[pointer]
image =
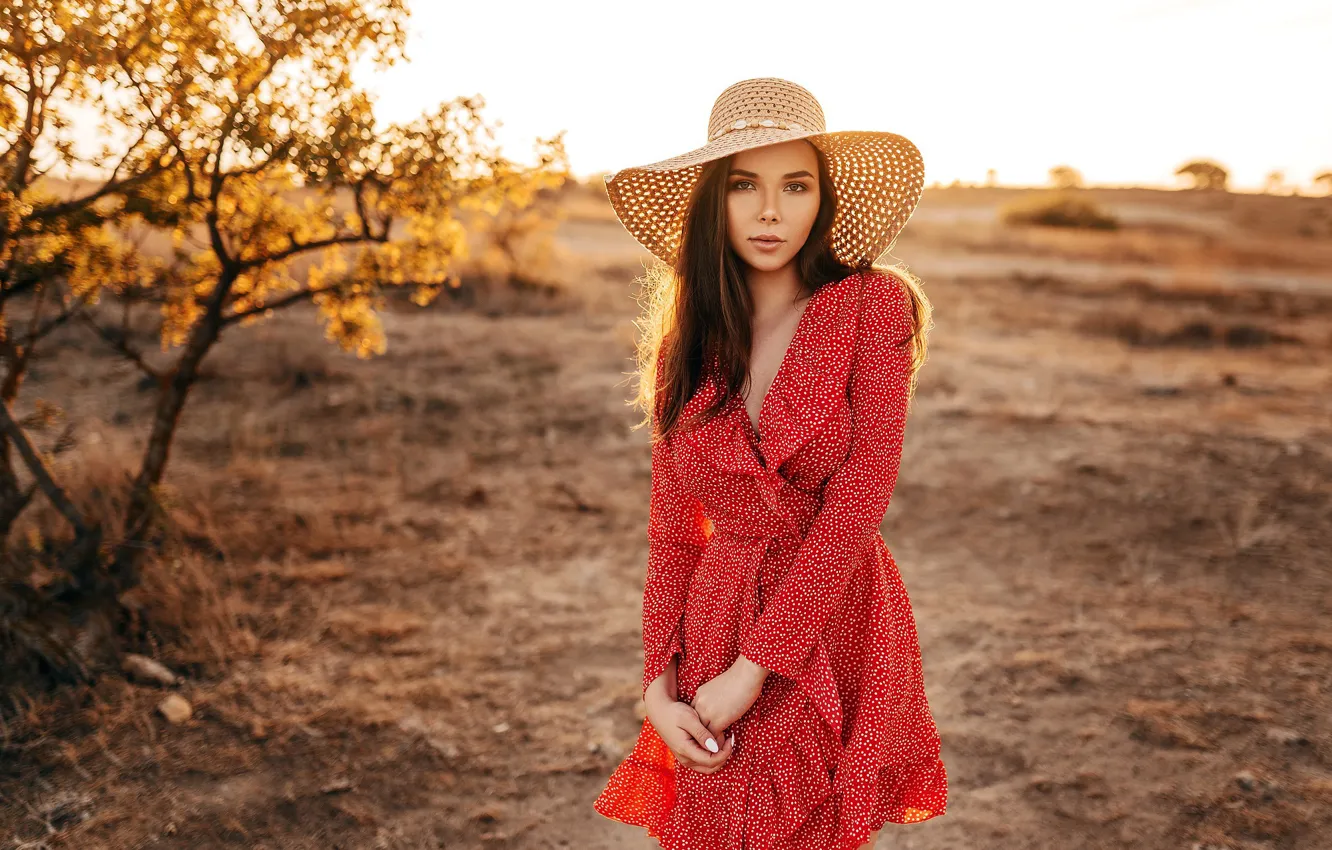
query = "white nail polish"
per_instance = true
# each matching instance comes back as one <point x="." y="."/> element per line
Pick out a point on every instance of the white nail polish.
<point x="712" y="746"/>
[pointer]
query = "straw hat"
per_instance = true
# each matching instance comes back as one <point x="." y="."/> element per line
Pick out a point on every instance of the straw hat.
<point x="878" y="176"/>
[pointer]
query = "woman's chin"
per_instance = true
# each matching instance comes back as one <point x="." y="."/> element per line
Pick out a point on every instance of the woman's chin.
<point x="767" y="262"/>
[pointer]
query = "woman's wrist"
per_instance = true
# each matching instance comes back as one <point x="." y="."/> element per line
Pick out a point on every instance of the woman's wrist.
<point x="665" y="685"/>
<point x="658" y="690"/>
<point x="752" y="669"/>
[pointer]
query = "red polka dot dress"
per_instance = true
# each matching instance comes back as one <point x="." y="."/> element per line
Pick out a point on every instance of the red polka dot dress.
<point x="770" y="547"/>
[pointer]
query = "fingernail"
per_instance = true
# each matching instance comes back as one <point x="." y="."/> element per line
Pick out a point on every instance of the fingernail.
<point x="712" y="746"/>
<point x="733" y="739"/>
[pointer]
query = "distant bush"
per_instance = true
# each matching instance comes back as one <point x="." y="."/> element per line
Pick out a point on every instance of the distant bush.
<point x="1205" y="174"/>
<point x="1065" y="177"/>
<point x="1058" y="210"/>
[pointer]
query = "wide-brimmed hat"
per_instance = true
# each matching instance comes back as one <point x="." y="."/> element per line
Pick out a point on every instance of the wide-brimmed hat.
<point x="878" y="176"/>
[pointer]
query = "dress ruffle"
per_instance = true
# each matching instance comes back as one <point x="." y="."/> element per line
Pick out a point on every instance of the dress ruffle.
<point x="804" y="790"/>
<point x="788" y="421"/>
<point x="641" y="791"/>
<point x="794" y="788"/>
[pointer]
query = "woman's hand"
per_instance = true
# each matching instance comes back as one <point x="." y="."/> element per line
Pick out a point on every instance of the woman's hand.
<point x="721" y="701"/>
<point x="678" y="725"/>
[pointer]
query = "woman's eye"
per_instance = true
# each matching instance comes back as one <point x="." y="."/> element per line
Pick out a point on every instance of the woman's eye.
<point x="739" y="184"/>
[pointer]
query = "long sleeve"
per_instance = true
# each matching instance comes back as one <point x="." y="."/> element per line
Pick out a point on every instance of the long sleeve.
<point x="856" y="495"/>
<point x="677" y="534"/>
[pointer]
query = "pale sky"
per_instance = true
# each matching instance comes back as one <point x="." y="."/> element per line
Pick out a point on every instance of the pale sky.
<point x="1124" y="91"/>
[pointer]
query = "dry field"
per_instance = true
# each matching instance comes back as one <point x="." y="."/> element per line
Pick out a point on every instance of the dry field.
<point x="1112" y="517"/>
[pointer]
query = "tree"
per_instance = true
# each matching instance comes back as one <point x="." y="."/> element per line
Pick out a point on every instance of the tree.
<point x="1324" y="180"/>
<point x="1065" y="177"/>
<point x="54" y="54"/>
<point x="255" y="150"/>
<point x="1205" y="174"/>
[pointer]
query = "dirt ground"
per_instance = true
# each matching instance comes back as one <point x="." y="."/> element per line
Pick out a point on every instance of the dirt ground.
<point x="1112" y="518"/>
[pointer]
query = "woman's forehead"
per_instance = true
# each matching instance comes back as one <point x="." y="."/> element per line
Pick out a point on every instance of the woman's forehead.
<point x="777" y="159"/>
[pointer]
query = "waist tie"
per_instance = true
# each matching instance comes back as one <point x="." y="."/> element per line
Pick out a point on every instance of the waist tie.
<point x="816" y="679"/>
<point x="753" y="546"/>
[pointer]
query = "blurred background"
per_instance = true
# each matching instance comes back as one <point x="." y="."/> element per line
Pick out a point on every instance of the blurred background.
<point x="322" y="506"/>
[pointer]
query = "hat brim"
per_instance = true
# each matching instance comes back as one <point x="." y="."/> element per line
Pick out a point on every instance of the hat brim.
<point x="877" y="176"/>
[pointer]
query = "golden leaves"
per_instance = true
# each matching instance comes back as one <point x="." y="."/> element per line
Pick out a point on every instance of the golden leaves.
<point x="264" y="165"/>
<point x="351" y="320"/>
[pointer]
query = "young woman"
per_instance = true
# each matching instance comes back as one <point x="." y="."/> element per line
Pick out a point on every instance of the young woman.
<point x="782" y="674"/>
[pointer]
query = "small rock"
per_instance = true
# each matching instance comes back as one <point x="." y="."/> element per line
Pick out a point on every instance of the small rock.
<point x="1289" y="737"/>
<point x="335" y="786"/>
<point x="176" y="709"/>
<point x="1091" y="783"/>
<point x="487" y="814"/>
<point x="1246" y="780"/>
<point x="145" y="669"/>
<point x="501" y="727"/>
<point x="1161" y="391"/>
<point x="66" y="807"/>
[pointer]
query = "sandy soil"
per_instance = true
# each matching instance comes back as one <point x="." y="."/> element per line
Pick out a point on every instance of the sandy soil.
<point x="1112" y="519"/>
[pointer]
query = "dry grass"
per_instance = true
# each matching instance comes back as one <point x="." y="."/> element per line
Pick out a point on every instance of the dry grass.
<point x="1180" y="230"/>
<point x="405" y="591"/>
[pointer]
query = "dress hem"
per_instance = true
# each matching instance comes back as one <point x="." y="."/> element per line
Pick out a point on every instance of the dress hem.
<point x="916" y="785"/>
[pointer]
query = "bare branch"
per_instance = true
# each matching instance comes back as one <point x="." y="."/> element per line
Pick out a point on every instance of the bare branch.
<point x="41" y="331"/>
<point x="359" y="194"/>
<point x="40" y="471"/>
<point x="117" y="339"/>
<point x="285" y="301"/>
<point x="318" y="244"/>
<point x="63" y="208"/>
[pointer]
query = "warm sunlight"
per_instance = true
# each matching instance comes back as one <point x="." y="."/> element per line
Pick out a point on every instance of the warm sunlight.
<point x="1124" y="92"/>
<point x="665" y="426"/>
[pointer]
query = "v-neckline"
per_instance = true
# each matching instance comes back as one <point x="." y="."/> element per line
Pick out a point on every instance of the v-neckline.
<point x="755" y="427"/>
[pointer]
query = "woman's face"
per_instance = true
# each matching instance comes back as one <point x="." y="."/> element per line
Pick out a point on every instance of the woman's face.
<point x="772" y="191"/>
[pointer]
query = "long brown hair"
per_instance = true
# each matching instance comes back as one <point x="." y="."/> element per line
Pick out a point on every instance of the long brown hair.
<point x="702" y="307"/>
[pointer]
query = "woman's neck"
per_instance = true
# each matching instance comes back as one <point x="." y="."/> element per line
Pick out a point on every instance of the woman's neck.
<point x="773" y="292"/>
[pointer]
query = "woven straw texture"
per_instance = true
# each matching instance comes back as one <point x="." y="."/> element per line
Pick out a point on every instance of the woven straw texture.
<point x="877" y="176"/>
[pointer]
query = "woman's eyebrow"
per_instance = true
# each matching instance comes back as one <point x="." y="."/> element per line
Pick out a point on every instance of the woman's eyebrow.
<point x="793" y="174"/>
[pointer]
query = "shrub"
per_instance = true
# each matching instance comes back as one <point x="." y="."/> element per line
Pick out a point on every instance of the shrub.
<point x="1058" y="210"/>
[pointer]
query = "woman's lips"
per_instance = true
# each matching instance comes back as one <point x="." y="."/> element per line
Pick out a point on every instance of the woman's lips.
<point x="767" y="244"/>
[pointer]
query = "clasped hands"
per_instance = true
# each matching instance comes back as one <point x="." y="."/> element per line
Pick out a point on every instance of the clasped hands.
<point x="695" y="731"/>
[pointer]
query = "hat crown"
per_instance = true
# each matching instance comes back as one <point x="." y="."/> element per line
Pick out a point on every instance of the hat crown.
<point x="765" y="99"/>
